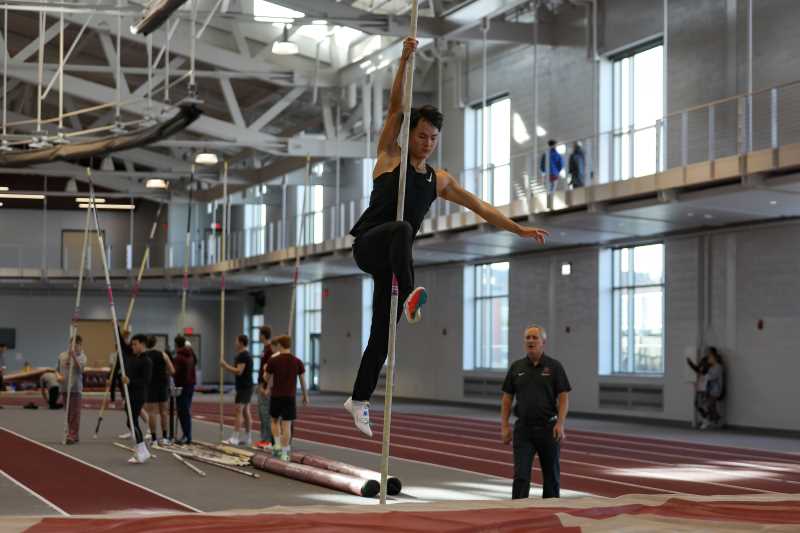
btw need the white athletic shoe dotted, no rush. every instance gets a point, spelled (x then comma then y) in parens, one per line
(360, 412)
(126, 435)
(232, 441)
(142, 454)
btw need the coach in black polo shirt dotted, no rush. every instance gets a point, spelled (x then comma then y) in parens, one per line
(541, 387)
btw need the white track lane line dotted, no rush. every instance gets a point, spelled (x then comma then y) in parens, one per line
(585, 449)
(573, 461)
(112, 474)
(621, 441)
(34, 494)
(504, 463)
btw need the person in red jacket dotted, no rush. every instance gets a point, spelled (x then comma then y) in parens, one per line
(185, 364)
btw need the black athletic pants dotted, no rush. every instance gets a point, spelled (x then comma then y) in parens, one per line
(52, 398)
(529, 441)
(138, 399)
(381, 251)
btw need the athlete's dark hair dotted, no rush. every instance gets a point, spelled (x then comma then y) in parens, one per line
(429, 113)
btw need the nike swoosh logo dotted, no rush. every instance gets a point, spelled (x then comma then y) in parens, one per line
(521, 374)
(430, 177)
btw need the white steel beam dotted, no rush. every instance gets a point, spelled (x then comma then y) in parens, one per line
(277, 108)
(232, 102)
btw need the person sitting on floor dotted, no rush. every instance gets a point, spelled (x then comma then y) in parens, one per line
(284, 369)
(50, 389)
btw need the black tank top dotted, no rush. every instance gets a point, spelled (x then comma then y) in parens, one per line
(420, 194)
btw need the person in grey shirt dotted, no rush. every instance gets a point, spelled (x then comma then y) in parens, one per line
(71, 377)
(50, 389)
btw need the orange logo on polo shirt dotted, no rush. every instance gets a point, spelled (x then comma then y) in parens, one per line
(546, 371)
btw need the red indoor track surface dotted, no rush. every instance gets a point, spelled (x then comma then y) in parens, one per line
(596, 463)
(91, 491)
(707, 514)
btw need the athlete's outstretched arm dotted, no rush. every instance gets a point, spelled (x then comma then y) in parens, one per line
(387, 143)
(447, 187)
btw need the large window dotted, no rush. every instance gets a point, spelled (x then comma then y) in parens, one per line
(491, 316)
(312, 221)
(491, 151)
(252, 325)
(638, 310)
(638, 102)
(255, 221)
(308, 318)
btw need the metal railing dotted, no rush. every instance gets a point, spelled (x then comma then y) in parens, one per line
(731, 126)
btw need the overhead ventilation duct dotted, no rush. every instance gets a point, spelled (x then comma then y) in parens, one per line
(100, 147)
(154, 15)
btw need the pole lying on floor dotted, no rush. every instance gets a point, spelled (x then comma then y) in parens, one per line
(394, 485)
(405, 131)
(318, 476)
(223, 254)
(301, 241)
(73, 326)
(188, 465)
(114, 320)
(129, 314)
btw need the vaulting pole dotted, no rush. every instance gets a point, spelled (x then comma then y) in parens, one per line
(73, 327)
(129, 314)
(186, 252)
(224, 257)
(301, 241)
(401, 201)
(114, 320)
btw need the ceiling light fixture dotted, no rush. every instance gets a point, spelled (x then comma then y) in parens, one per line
(284, 47)
(155, 183)
(89, 200)
(22, 196)
(3, 188)
(773, 202)
(121, 207)
(206, 158)
(319, 22)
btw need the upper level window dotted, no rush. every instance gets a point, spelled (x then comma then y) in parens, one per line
(312, 221)
(488, 151)
(638, 102)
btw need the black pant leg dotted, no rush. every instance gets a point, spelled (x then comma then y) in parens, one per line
(549, 451)
(369, 370)
(52, 397)
(137, 402)
(523, 462)
(381, 252)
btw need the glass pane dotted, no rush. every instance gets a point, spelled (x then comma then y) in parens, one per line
(624, 156)
(500, 132)
(644, 157)
(491, 280)
(502, 185)
(648, 264)
(625, 92)
(491, 333)
(649, 322)
(648, 86)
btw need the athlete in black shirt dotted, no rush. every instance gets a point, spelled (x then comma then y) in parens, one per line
(382, 245)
